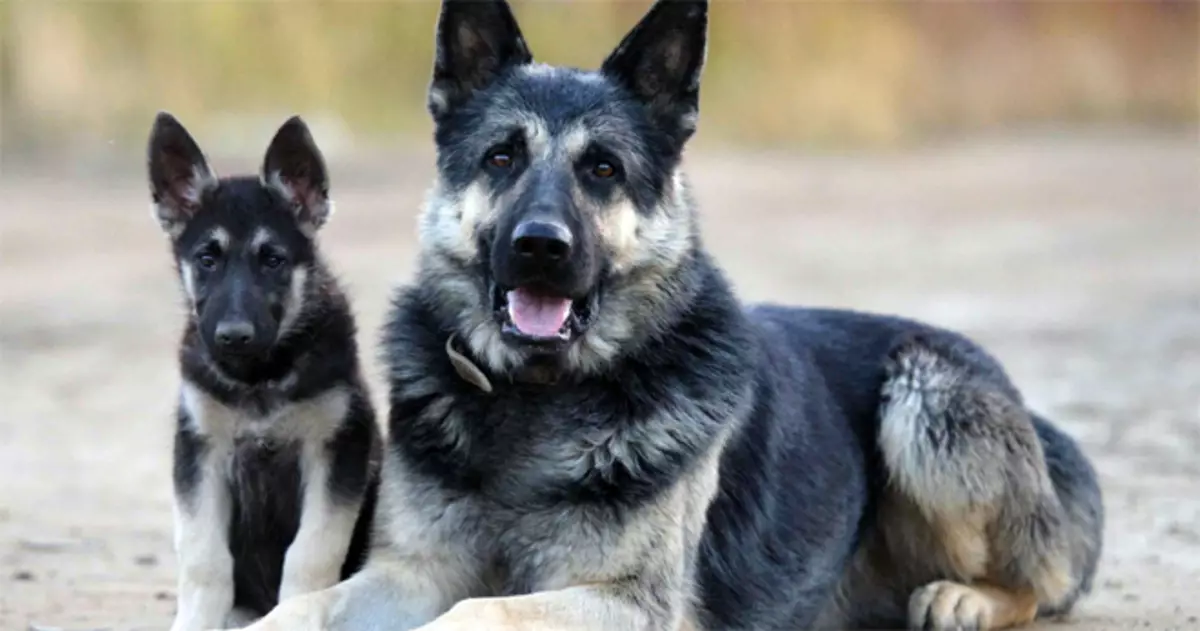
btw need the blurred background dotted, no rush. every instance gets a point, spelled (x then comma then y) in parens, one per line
(1027, 172)
(87, 76)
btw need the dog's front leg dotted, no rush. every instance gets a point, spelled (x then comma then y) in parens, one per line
(392, 593)
(328, 515)
(636, 606)
(202, 513)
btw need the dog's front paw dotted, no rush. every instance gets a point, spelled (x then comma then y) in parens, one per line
(948, 605)
(484, 614)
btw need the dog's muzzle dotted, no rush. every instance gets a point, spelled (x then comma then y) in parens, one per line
(542, 292)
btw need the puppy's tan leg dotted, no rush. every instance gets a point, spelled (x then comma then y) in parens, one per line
(239, 618)
(306, 612)
(205, 580)
(950, 605)
(315, 557)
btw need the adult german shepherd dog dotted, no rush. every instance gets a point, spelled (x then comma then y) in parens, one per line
(588, 431)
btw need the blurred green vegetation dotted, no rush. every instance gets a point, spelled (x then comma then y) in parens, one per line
(815, 73)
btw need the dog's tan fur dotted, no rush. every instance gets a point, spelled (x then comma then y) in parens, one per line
(643, 250)
(984, 537)
(948, 544)
(977, 538)
(948, 605)
(427, 563)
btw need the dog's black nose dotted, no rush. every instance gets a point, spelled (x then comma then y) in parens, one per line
(234, 334)
(542, 243)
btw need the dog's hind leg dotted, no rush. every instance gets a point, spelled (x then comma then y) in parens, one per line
(1009, 505)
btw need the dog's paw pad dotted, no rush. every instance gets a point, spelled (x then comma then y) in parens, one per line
(945, 605)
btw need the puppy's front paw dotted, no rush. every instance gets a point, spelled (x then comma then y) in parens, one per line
(282, 618)
(265, 625)
(187, 620)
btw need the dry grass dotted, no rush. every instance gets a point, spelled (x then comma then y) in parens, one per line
(819, 73)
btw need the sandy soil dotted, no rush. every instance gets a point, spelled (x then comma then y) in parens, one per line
(1075, 258)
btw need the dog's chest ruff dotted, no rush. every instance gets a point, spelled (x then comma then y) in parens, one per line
(309, 421)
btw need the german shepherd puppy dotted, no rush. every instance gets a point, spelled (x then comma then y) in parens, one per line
(276, 443)
(588, 431)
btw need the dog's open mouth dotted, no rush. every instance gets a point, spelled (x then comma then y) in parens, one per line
(535, 316)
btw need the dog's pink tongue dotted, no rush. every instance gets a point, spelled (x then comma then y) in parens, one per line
(539, 316)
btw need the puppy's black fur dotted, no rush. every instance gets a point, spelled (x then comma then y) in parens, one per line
(273, 401)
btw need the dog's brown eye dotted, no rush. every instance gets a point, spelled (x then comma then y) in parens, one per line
(273, 261)
(500, 159)
(604, 170)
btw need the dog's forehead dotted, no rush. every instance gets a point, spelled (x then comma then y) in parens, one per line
(242, 212)
(264, 236)
(562, 105)
(560, 112)
(225, 236)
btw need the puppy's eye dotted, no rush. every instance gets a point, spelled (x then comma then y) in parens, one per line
(604, 169)
(206, 260)
(500, 159)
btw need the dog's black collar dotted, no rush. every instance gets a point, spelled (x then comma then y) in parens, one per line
(471, 373)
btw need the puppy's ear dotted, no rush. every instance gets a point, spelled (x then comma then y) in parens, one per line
(476, 41)
(660, 61)
(294, 167)
(179, 174)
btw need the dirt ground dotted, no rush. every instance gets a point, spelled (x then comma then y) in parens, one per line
(1076, 258)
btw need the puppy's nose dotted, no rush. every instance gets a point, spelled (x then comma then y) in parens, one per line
(542, 242)
(234, 334)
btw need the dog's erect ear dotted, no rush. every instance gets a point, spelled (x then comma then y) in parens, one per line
(661, 59)
(178, 173)
(476, 41)
(294, 166)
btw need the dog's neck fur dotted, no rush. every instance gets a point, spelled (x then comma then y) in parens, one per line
(318, 353)
(682, 369)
